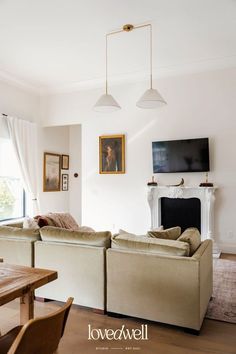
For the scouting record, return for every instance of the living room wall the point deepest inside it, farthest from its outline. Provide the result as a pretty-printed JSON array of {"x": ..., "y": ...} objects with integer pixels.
[
  {"x": 62, "y": 140},
  {"x": 199, "y": 105},
  {"x": 24, "y": 103},
  {"x": 54, "y": 140},
  {"x": 19, "y": 101}
]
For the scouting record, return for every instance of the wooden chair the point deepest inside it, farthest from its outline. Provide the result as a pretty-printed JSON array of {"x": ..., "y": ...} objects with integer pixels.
[{"x": 38, "y": 336}]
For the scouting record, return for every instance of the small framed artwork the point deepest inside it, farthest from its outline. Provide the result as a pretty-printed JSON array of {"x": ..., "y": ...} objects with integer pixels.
[
  {"x": 112, "y": 154},
  {"x": 65, "y": 182},
  {"x": 65, "y": 162},
  {"x": 51, "y": 172}
]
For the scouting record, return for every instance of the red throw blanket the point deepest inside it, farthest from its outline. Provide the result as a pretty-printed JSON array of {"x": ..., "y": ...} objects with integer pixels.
[{"x": 63, "y": 220}]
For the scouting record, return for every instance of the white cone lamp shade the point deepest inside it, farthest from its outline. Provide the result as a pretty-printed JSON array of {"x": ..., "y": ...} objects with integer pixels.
[
  {"x": 106, "y": 103},
  {"x": 151, "y": 99}
]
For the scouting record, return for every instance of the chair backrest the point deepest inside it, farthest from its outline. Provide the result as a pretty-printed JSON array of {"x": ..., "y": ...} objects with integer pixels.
[{"x": 42, "y": 335}]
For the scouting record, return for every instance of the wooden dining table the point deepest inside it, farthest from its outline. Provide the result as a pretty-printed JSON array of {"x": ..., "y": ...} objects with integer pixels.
[{"x": 20, "y": 281}]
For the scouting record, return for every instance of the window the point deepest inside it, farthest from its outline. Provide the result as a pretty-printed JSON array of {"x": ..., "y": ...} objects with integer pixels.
[{"x": 12, "y": 195}]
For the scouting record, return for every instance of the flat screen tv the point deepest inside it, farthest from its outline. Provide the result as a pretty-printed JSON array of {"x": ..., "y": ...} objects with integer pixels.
[{"x": 190, "y": 155}]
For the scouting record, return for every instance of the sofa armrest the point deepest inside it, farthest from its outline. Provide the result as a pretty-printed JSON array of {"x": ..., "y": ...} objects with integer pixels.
[
  {"x": 13, "y": 223},
  {"x": 205, "y": 258}
]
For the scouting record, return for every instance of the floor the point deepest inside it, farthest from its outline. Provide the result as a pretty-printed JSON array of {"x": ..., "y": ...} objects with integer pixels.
[{"x": 216, "y": 337}]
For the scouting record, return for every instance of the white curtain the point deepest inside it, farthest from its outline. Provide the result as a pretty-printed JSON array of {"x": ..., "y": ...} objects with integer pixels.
[{"x": 23, "y": 135}]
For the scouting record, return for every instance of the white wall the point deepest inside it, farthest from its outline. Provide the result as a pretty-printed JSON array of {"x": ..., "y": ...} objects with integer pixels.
[
  {"x": 19, "y": 102},
  {"x": 199, "y": 105},
  {"x": 54, "y": 140},
  {"x": 26, "y": 105},
  {"x": 62, "y": 140},
  {"x": 75, "y": 193}
]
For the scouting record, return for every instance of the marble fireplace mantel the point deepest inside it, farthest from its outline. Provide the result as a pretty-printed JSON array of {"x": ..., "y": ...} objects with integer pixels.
[{"x": 205, "y": 194}]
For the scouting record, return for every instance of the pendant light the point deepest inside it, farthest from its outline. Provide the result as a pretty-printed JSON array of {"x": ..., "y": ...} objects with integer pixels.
[
  {"x": 151, "y": 97},
  {"x": 106, "y": 102}
]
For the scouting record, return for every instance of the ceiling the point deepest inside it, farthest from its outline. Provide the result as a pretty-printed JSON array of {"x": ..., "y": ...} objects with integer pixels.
[{"x": 53, "y": 44}]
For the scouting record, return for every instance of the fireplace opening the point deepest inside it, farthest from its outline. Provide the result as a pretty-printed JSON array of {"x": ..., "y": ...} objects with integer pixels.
[{"x": 181, "y": 212}]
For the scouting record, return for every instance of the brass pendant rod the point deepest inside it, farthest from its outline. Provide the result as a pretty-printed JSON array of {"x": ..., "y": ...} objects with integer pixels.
[
  {"x": 150, "y": 56},
  {"x": 129, "y": 28},
  {"x": 106, "y": 66}
]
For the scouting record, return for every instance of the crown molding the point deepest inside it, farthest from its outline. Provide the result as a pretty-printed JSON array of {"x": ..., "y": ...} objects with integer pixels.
[
  {"x": 18, "y": 83},
  {"x": 204, "y": 65},
  {"x": 158, "y": 73}
]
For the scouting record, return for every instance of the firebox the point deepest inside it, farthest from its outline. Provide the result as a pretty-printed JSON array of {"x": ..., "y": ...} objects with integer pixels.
[{"x": 181, "y": 212}]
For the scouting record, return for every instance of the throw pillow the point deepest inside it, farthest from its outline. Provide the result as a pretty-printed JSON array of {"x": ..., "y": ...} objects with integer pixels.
[
  {"x": 124, "y": 233},
  {"x": 169, "y": 234},
  {"x": 160, "y": 228},
  {"x": 192, "y": 237},
  {"x": 63, "y": 220},
  {"x": 85, "y": 229},
  {"x": 30, "y": 223},
  {"x": 121, "y": 232}
]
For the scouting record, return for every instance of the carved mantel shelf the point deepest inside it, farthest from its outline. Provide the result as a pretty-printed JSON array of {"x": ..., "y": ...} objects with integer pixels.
[{"x": 205, "y": 194}]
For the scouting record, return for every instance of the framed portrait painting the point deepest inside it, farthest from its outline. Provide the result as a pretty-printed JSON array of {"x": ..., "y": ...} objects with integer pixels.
[
  {"x": 112, "y": 154},
  {"x": 65, "y": 162},
  {"x": 52, "y": 172}
]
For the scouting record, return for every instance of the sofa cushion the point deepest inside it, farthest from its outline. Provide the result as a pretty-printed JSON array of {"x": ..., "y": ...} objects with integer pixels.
[
  {"x": 19, "y": 233},
  {"x": 55, "y": 234},
  {"x": 169, "y": 234},
  {"x": 192, "y": 237},
  {"x": 148, "y": 244}
]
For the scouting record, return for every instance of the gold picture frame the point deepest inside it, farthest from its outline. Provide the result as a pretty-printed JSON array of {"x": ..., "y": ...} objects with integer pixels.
[
  {"x": 65, "y": 159},
  {"x": 112, "y": 154},
  {"x": 51, "y": 172}
]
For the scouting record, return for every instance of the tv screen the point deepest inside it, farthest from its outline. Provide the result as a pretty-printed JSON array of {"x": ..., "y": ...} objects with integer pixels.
[{"x": 190, "y": 155}]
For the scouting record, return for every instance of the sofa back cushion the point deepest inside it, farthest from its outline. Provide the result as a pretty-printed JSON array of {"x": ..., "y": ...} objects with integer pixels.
[
  {"x": 148, "y": 244},
  {"x": 169, "y": 234},
  {"x": 54, "y": 234},
  {"x": 14, "y": 223},
  {"x": 20, "y": 234},
  {"x": 192, "y": 237}
]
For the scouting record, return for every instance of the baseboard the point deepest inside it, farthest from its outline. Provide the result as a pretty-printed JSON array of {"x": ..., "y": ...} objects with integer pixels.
[
  {"x": 217, "y": 255},
  {"x": 42, "y": 299},
  {"x": 99, "y": 311},
  {"x": 116, "y": 315},
  {"x": 227, "y": 247}
]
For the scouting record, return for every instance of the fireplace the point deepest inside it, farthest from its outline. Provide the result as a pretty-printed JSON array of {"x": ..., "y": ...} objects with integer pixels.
[
  {"x": 187, "y": 201},
  {"x": 181, "y": 212}
]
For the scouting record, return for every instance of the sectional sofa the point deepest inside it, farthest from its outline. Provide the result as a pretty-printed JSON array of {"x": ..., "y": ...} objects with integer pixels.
[
  {"x": 80, "y": 260},
  {"x": 164, "y": 288},
  {"x": 17, "y": 244},
  {"x": 158, "y": 279},
  {"x": 78, "y": 257}
]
